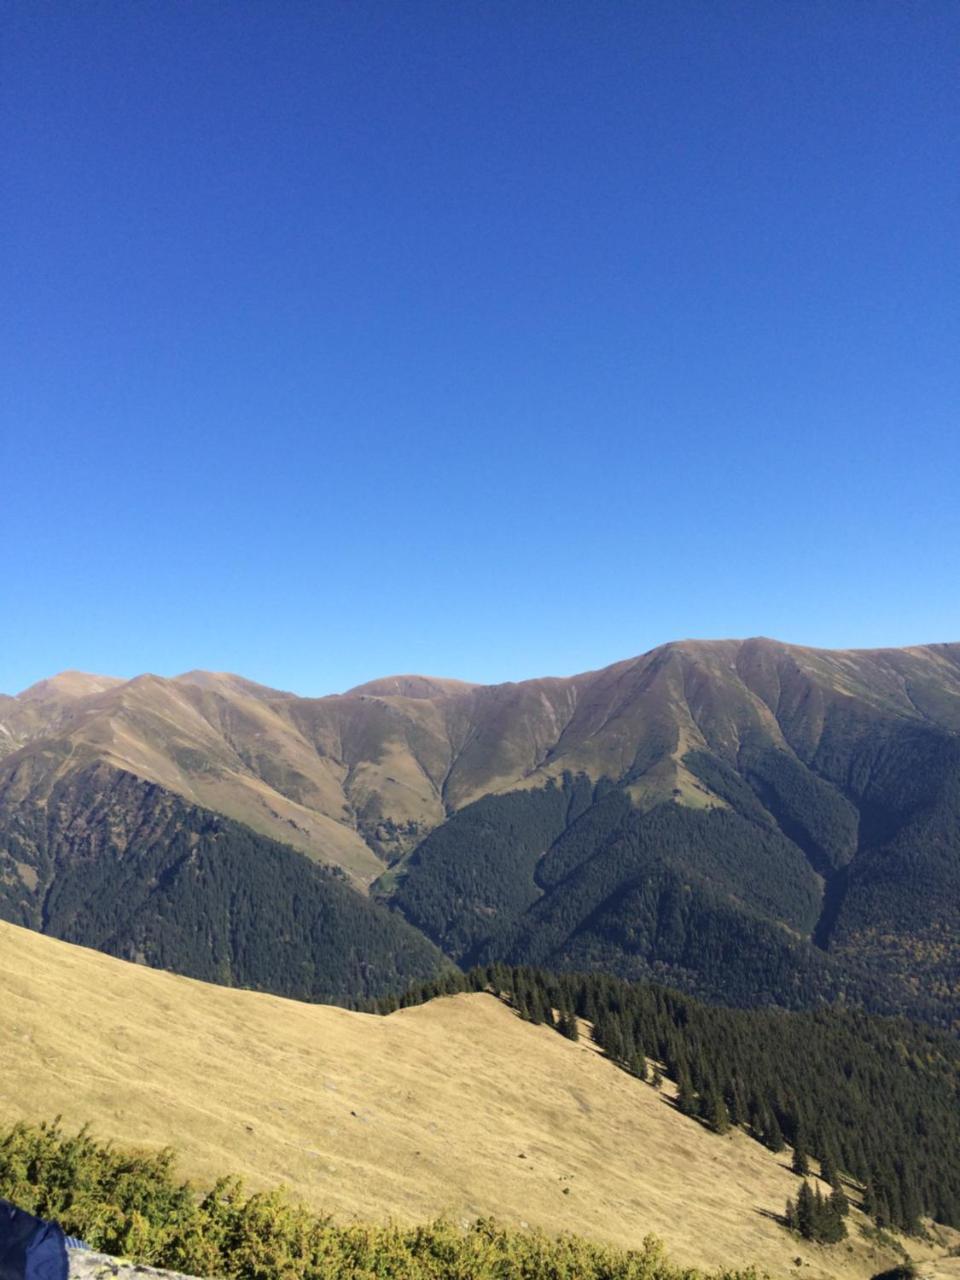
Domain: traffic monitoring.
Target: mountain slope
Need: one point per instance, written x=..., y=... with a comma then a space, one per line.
x=747, y=819
x=114, y=862
x=789, y=830
x=455, y=1107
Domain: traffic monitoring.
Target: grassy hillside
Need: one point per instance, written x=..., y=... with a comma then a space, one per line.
x=874, y=1097
x=455, y=1108
x=133, y=1204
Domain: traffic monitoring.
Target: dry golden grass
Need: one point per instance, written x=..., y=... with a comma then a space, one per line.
x=456, y=1108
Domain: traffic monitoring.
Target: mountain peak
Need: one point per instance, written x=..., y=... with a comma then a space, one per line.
x=68, y=684
x=411, y=686
x=221, y=681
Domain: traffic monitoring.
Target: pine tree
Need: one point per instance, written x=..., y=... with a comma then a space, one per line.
x=713, y=1110
x=870, y=1198
x=535, y=1006
x=567, y=1026
x=910, y=1212
x=772, y=1133
x=881, y=1212
x=686, y=1098
x=734, y=1100
x=800, y=1164
x=806, y=1211
x=612, y=1039
x=791, y=1216
x=839, y=1201
x=828, y=1225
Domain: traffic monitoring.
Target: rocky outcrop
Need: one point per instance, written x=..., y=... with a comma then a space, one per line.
x=86, y=1265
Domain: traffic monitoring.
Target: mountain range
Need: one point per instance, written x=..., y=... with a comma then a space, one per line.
x=752, y=821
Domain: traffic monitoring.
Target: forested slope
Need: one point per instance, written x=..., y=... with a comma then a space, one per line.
x=112, y=862
x=810, y=856
x=752, y=821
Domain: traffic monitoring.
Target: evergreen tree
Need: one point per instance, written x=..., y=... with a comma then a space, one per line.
x=806, y=1211
x=828, y=1225
x=609, y=1037
x=772, y=1133
x=734, y=1100
x=838, y=1201
x=791, y=1216
x=686, y=1098
x=713, y=1110
x=567, y=1026
x=535, y=1006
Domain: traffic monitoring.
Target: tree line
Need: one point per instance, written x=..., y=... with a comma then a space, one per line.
x=875, y=1099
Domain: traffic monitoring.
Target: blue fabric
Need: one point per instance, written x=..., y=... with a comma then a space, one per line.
x=30, y=1248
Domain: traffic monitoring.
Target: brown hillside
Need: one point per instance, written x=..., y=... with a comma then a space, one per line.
x=453, y=1108
x=350, y=777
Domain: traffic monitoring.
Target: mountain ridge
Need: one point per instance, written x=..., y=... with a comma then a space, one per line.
x=799, y=806
x=70, y=674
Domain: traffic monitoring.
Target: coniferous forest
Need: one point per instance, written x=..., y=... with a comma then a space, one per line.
x=144, y=876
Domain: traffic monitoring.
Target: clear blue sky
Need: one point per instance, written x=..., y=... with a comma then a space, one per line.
x=482, y=339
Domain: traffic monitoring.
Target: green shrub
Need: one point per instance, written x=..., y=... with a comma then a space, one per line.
x=132, y=1204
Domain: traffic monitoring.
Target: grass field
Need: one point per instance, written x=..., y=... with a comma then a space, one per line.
x=455, y=1107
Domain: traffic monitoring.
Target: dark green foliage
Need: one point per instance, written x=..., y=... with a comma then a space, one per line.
x=131, y=1204
x=686, y=1095
x=790, y=1215
x=876, y=1097
x=816, y=1218
x=567, y=1026
x=847, y=833
x=811, y=812
x=181, y=888
x=806, y=1212
x=713, y=1110
x=839, y=1203
x=767, y=1129
x=478, y=868
x=675, y=894
x=689, y=896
